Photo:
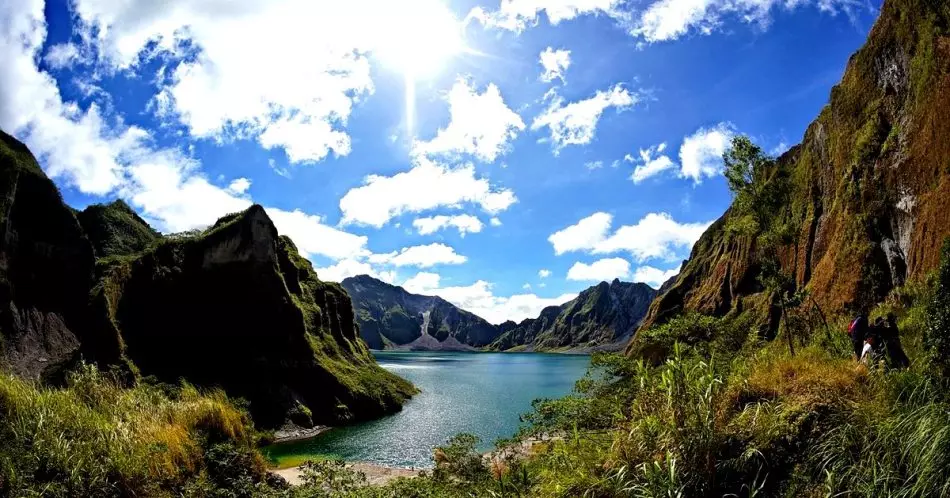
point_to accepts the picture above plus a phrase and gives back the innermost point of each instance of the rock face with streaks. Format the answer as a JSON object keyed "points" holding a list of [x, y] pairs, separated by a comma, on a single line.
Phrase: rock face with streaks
{"points": [[869, 184], [389, 317]]}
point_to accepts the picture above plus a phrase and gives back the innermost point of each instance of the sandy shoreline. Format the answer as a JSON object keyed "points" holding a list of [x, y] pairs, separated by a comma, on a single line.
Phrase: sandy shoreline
{"points": [[376, 475]]}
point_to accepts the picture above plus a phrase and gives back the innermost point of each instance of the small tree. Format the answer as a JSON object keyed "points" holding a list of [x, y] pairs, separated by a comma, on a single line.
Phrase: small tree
{"points": [[760, 210]]}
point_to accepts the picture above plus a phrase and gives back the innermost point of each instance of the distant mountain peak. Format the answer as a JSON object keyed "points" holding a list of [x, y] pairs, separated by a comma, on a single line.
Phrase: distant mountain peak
{"points": [[602, 316]]}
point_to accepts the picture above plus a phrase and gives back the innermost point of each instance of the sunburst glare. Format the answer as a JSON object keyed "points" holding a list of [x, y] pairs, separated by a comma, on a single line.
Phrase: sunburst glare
{"points": [[419, 40]]}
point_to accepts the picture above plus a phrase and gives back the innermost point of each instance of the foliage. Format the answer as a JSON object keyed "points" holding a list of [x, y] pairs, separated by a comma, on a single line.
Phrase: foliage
{"points": [[97, 438], [760, 188], [937, 332], [116, 230]]}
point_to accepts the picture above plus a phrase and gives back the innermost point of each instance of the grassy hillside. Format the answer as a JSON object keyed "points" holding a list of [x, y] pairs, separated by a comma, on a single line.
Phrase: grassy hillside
{"points": [[96, 437]]}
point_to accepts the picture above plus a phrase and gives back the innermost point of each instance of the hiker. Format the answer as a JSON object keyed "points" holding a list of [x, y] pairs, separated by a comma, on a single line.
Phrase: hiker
{"points": [[858, 330], [869, 352], [892, 343]]}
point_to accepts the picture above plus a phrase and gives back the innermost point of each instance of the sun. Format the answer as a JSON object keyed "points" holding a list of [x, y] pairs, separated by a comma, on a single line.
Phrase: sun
{"points": [[420, 37]]}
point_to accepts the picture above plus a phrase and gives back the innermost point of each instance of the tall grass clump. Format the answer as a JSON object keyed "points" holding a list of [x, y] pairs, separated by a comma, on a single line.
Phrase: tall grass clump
{"points": [[94, 437]]}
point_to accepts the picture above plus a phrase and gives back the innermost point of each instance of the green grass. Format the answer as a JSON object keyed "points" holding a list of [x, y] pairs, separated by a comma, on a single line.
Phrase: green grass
{"points": [[95, 437]]}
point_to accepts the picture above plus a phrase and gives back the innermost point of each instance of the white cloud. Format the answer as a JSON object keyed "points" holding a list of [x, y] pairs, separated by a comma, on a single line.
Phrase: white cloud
{"points": [[592, 165], [285, 71], [89, 152], [526, 286], [516, 15], [82, 148], [586, 234], [600, 270], [544, 273], [655, 236], [277, 169], [175, 195], [61, 55], [555, 64], [421, 282], [576, 123], [100, 157], [420, 256], [780, 149], [239, 185], [426, 186], [465, 223], [670, 19], [313, 237], [701, 152], [351, 268], [480, 124], [478, 298], [652, 162], [495, 222], [654, 277]]}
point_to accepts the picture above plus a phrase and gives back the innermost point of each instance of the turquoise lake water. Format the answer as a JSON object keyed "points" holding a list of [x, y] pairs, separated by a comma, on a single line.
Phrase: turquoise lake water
{"points": [[478, 393]]}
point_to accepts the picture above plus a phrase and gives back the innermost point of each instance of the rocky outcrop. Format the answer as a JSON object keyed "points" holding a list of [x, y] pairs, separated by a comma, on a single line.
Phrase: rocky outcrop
{"points": [[46, 270], [237, 307], [601, 317], [870, 183], [233, 306], [389, 317]]}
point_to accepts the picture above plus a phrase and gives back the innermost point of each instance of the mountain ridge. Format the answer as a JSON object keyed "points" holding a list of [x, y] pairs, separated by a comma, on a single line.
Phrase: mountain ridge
{"points": [[601, 317]]}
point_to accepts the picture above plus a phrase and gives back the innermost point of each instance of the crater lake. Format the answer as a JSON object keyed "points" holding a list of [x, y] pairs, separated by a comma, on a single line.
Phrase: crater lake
{"points": [[478, 393]]}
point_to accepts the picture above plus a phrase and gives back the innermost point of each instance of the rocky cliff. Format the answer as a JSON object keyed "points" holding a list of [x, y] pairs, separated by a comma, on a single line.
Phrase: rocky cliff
{"points": [[601, 317], [47, 267], [869, 184], [389, 317], [236, 306], [233, 306]]}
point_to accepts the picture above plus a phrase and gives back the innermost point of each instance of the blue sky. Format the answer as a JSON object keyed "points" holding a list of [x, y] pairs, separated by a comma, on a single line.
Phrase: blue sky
{"points": [[502, 155]]}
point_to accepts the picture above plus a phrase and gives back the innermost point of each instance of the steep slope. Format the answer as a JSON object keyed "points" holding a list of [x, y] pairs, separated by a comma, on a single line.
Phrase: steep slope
{"points": [[234, 306], [238, 307], [869, 183], [388, 317], [46, 270], [601, 317], [115, 229]]}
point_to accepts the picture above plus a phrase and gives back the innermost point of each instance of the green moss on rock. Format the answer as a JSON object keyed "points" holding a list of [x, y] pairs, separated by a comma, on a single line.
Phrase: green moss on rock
{"points": [[116, 230], [238, 307]]}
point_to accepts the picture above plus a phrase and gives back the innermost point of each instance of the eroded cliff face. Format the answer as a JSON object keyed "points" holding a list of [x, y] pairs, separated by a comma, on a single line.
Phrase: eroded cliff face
{"points": [[601, 317], [389, 317], [234, 306], [870, 182], [237, 307], [46, 270]]}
